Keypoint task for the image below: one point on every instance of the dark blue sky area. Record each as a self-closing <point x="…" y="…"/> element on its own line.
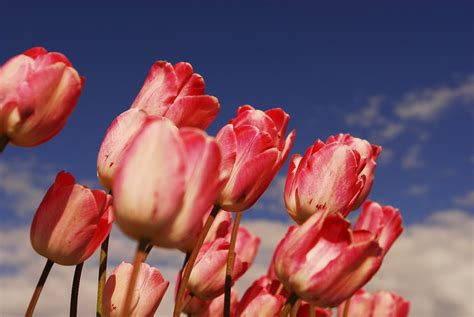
<point x="321" y="63"/>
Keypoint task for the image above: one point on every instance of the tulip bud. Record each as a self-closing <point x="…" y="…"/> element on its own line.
<point x="216" y="306"/>
<point x="38" y="92"/>
<point x="165" y="184"/>
<point x="324" y="262"/>
<point x="254" y="148"/>
<point x="304" y="310"/>
<point x="119" y="136"/>
<point x="369" y="153"/>
<point x="328" y="178"/>
<point x="71" y="221"/>
<point x="207" y="278"/>
<point x="149" y="290"/>
<point x="382" y="303"/>
<point x="261" y="299"/>
<point x="175" y="92"/>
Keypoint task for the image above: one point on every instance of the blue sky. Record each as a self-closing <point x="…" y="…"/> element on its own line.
<point x="400" y="74"/>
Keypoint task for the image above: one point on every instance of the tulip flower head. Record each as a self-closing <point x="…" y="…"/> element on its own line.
<point x="368" y="153"/>
<point x="149" y="291"/>
<point x="166" y="182"/>
<point x="71" y="221"/>
<point x="38" y="92"/>
<point x="261" y="299"/>
<point x="381" y="303"/>
<point x="254" y="148"/>
<point x="304" y="310"/>
<point x="177" y="93"/>
<point x="324" y="261"/>
<point x="328" y="178"/>
<point x="216" y="306"/>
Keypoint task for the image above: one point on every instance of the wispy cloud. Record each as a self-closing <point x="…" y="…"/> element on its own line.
<point x="466" y="200"/>
<point x="417" y="190"/>
<point x="412" y="158"/>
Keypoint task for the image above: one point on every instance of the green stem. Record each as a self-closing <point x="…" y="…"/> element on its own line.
<point x="75" y="290"/>
<point x="39" y="288"/>
<point x="230" y="264"/>
<point x="104" y="250"/>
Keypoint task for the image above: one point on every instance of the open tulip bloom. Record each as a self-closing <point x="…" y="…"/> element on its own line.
<point x="174" y="186"/>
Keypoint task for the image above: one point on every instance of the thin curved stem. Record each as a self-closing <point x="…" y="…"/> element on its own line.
<point x="230" y="264"/>
<point x="140" y="256"/>
<point x="346" y="307"/>
<point x="75" y="290"/>
<point x="192" y="259"/>
<point x="312" y="312"/>
<point x="289" y="303"/>
<point x="295" y="308"/>
<point x="104" y="250"/>
<point x="39" y="288"/>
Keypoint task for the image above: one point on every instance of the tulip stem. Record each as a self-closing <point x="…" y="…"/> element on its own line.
<point x="296" y="307"/>
<point x="39" y="288"/>
<point x="186" y="259"/>
<point x="230" y="264"/>
<point x="346" y="307"/>
<point x="75" y="290"/>
<point x="140" y="256"/>
<point x="3" y="142"/>
<point x="289" y="303"/>
<point x="148" y="249"/>
<point x="192" y="259"/>
<point x="104" y="250"/>
<point x="312" y="313"/>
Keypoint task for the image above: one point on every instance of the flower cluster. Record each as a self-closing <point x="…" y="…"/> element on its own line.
<point x="172" y="185"/>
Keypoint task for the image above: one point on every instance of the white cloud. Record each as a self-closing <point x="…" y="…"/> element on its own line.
<point x="437" y="279"/>
<point x="367" y="115"/>
<point x="417" y="190"/>
<point x="428" y="104"/>
<point x="412" y="158"/>
<point x="386" y="156"/>
<point x="466" y="200"/>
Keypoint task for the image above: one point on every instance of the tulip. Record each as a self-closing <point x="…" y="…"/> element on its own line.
<point x="369" y="153"/>
<point x="71" y="221"/>
<point x="379" y="304"/>
<point x="193" y="305"/>
<point x="38" y="92"/>
<point x="304" y="310"/>
<point x="327" y="178"/>
<point x="216" y="306"/>
<point x="165" y="184"/>
<point x="324" y="261"/>
<point x="253" y="148"/>
<point x="261" y="299"/>
<point x="384" y="221"/>
<point x="175" y="92"/>
<point x="149" y="290"/>
<point x="118" y="138"/>
<point x="209" y="272"/>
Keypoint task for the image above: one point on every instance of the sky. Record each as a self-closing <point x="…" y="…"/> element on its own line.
<point x="399" y="74"/>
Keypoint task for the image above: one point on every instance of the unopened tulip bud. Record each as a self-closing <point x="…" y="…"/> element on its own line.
<point x="261" y="299"/>
<point x="379" y="304"/>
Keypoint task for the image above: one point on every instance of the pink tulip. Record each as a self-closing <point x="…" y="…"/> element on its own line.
<point x="324" y="261"/>
<point x="305" y="311"/>
<point x="175" y="92"/>
<point x="193" y="305"/>
<point x="165" y="184"/>
<point x="38" y="92"/>
<point x="369" y="153"/>
<point x="261" y="299"/>
<point x="147" y="295"/>
<point x="253" y="148"/>
<point x="380" y="304"/>
<point x="71" y="221"/>
<point x="216" y="306"/>
<point x="327" y="178"/>
<point x="207" y="278"/>
<point x="384" y="221"/>
<point x="119" y="136"/>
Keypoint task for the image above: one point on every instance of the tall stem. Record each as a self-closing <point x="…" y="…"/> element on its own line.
<point x="230" y="264"/>
<point x="3" y="142"/>
<point x="104" y="250"/>
<point x="192" y="259"/>
<point x="75" y="290"/>
<point x="39" y="288"/>
<point x="289" y="303"/>
<point x="140" y="256"/>
<point x="312" y="309"/>
<point x="346" y="307"/>
<point x="296" y="307"/>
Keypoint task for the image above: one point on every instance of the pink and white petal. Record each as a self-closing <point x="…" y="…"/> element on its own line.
<point x="227" y="141"/>
<point x="193" y="111"/>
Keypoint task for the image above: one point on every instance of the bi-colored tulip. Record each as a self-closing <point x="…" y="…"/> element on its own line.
<point x="304" y="310"/>
<point x="207" y="278"/>
<point x="369" y="153"/>
<point x="216" y="306"/>
<point x="119" y="136"/>
<point x="328" y="178"/>
<point x="253" y="148"/>
<point x="324" y="261"/>
<point x="38" y="92"/>
<point x="146" y="297"/>
<point x="379" y="304"/>
<point x="71" y="221"/>
<point x="167" y="179"/>
<point x="261" y="299"/>
<point x="177" y="93"/>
